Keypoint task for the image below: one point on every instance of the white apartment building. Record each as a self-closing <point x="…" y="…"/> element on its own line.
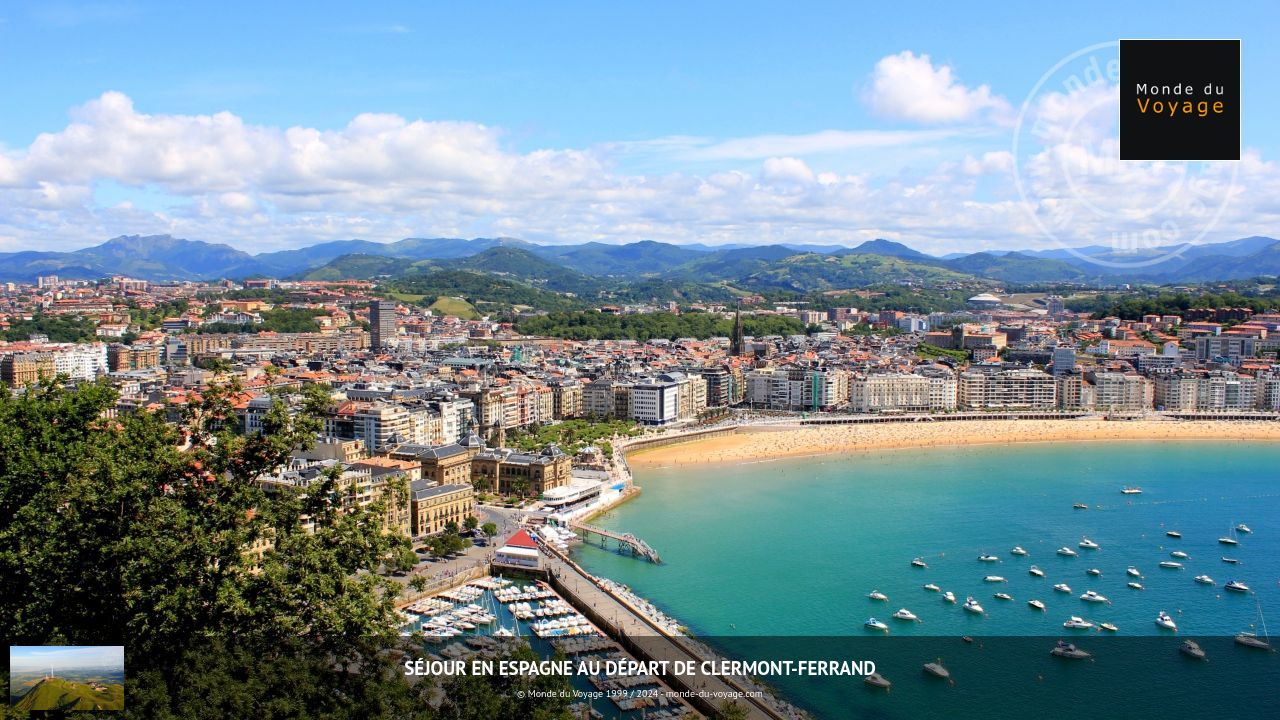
<point x="933" y="391"/>
<point x="1120" y="392"/>
<point x="81" y="362"/>
<point x="1020" y="389"/>
<point x="656" y="401"/>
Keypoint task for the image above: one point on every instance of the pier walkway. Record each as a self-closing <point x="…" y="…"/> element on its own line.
<point x="638" y="547"/>
<point x="646" y="641"/>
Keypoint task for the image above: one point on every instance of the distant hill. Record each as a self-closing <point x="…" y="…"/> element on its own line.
<point x="682" y="270"/>
<point x="57" y="694"/>
<point x="1017" y="268"/>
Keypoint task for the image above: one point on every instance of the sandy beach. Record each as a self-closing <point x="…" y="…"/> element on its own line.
<point x="754" y="444"/>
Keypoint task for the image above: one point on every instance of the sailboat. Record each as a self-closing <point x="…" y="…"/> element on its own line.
<point x="1251" y="639"/>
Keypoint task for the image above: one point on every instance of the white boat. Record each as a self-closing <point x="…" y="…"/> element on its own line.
<point x="905" y="614"/>
<point x="1127" y="490"/>
<point x="1036" y="571"/>
<point x="875" y="679"/>
<point x="1236" y="586"/>
<point x="875" y="624"/>
<point x="1067" y="552"/>
<point x="1166" y="622"/>
<point x="1077" y="623"/>
<point x="1230" y="561"/>
<point x="1204" y="579"/>
<point x="1173" y="534"/>
<point x="1135" y="586"/>
<point x="994" y="579"/>
<point x="1171" y="565"/>
<point x="1036" y="604"/>
<point x="1250" y="639"/>
<point x="988" y="558"/>
<point x="1109" y="627"/>
<point x="919" y="562"/>
<point x="1062" y="588"/>
<point x="1065" y="649"/>
<point x="877" y="595"/>
<point x="1088" y="544"/>
<point x="1179" y="554"/>
<point x="1133" y="572"/>
<point x="1018" y="550"/>
<point x="931" y="587"/>
<point x="1091" y="596"/>
<point x="937" y="670"/>
<point x="949" y="596"/>
<point x="1094" y="572"/>
<point x="1228" y="541"/>
<point x="972" y="606"/>
<point x="1003" y="596"/>
<point x="1243" y="528"/>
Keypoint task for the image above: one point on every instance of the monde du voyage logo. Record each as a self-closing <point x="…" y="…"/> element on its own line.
<point x="1179" y="99"/>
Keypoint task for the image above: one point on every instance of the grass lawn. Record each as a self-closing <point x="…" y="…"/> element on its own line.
<point x="455" y="307"/>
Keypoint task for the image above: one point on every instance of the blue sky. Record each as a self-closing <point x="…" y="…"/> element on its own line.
<point x="64" y="657"/>
<point x="622" y="110"/>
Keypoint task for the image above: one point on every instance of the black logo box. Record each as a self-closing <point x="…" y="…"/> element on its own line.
<point x="1160" y="77"/>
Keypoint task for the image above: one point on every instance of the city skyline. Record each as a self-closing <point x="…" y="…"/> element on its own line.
<point x="874" y="126"/>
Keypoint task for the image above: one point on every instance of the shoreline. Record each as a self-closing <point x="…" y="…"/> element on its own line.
<point x="756" y="444"/>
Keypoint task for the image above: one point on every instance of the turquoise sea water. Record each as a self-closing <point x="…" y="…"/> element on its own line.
<point x="792" y="547"/>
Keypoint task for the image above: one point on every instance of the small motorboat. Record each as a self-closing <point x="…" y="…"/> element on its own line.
<point x="1166" y="622"/>
<point x="875" y="624"/>
<point x="1228" y="540"/>
<point x="877" y="595"/>
<point x="1018" y="550"/>
<point x="1191" y="649"/>
<point x="1036" y="604"/>
<point x="877" y="680"/>
<point x="919" y="562"/>
<point x="937" y="670"/>
<point x="905" y="614"/>
<point x="1036" y="571"/>
<point x="1230" y="561"/>
<point x="988" y="558"/>
<point x="1179" y="554"/>
<point x="1204" y="580"/>
<point x="1067" y="552"/>
<point x="932" y="588"/>
<point x="1095" y="572"/>
<point x="1062" y="588"/>
<point x="1236" y="586"/>
<point x="949" y="596"/>
<point x="1077" y="623"/>
<point x="971" y="605"/>
<point x="1080" y="506"/>
<point x="1003" y="596"/>
<point x="1173" y="534"/>
<point x="1127" y="490"/>
<point x="1135" y="586"/>
<point x="1133" y="572"/>
<point x="1243" y="528"/>
<point x="1171" y="565"/>
<point x="1066" y="650"/>
<point x="1091" y="596"/>
<point x="1088" y="544"/>
<point x="1109" y="627"/>
<point x="994" y="579"/>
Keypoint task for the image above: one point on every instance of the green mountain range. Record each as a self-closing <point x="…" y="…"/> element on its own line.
<point x="594" y="268"/>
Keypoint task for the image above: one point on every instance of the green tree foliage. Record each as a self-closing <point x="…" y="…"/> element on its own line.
<point x="1133" y="307"/>
<point x="59" y="328"/>
<point x="648" y="326"/>
<point x="129" y="531"/>
<point x="571" y="435"/>
<point x="151" y="318"/>
<point x="283" y="320"/>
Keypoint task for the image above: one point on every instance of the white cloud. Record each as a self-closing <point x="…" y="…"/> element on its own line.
<point x="909" y="87"/>
<point x="383" y="177"/>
